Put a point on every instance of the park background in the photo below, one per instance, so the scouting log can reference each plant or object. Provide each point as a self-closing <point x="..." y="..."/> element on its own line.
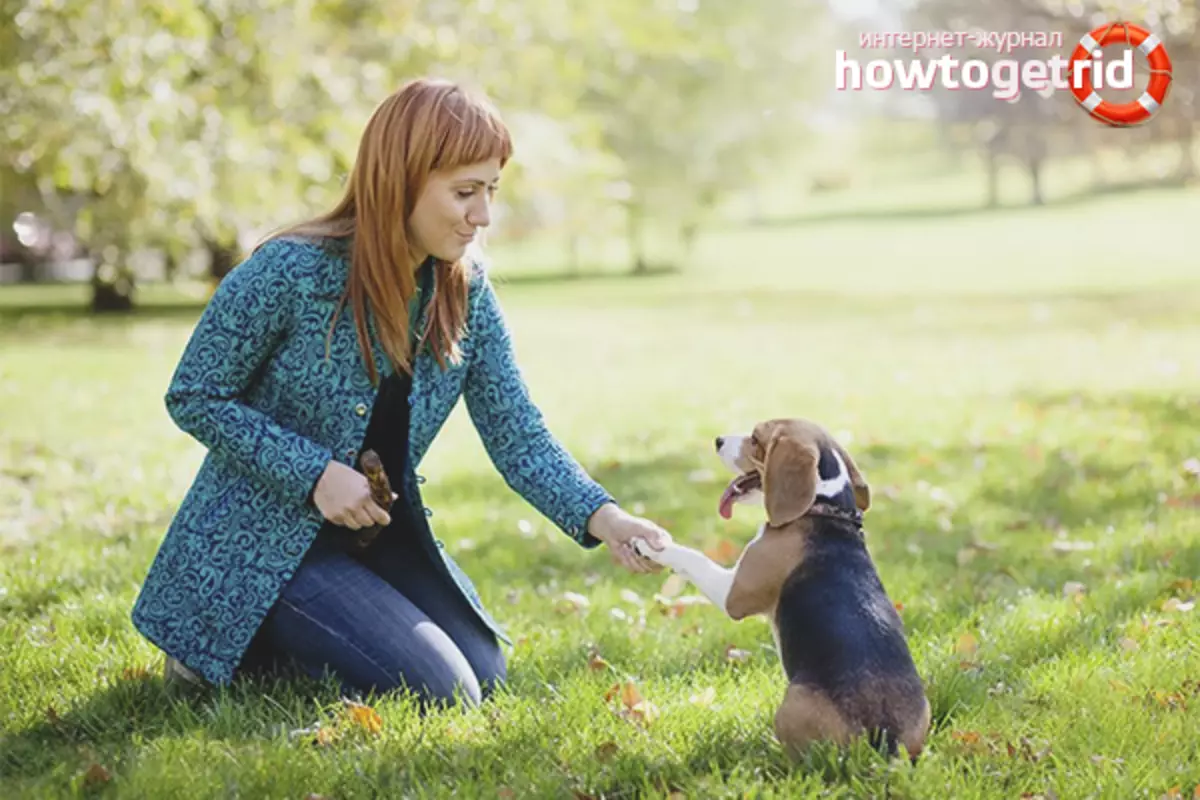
<point x="994" y="305"/>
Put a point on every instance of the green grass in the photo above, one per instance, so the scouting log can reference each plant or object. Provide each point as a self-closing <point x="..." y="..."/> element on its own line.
<point x="1021" y="389"/>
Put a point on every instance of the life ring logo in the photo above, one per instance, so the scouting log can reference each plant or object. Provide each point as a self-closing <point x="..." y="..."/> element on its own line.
<point x="1123" y="114"/>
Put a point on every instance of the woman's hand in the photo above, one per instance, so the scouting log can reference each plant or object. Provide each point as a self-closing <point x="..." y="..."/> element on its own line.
<point x="617" y="529"/>
<point x="343" y="496"/>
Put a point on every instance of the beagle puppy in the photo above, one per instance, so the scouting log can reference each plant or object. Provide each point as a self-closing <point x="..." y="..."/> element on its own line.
<point x="841" y="643"/>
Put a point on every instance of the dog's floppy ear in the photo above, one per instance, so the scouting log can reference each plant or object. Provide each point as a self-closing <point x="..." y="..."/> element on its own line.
<point x="862" y="492"/>
<point x="789" y="478"/>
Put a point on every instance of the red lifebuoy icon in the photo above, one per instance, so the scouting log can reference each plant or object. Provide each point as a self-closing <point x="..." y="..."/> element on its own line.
<point x="1140" y="110"/>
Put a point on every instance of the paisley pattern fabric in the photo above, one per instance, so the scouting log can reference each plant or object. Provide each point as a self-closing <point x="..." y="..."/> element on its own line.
<point x="255" y="387"/>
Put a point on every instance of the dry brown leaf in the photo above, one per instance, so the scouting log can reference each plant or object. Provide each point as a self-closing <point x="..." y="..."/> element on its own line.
<point x="597" y="663"/>
<point x="723" y="552"/>
<point x="96" y="775"/>
<point x="606" y="751"/>
<point x="1184" y="502"/>
<point x="364" y="717"/>
<point x="629" y="694"/>
<point x="135" y="673"/>
<point x="644" y="712"/>
<point x="967" y="645"/>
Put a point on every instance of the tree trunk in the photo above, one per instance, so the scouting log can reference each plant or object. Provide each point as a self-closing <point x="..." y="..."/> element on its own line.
<point x="993" y="177"/>
<point x="222" y="257"/>
<point x="1187" y="158"/>
<point x="112" y="285"/>
<point x="573" y="253"/>
<point x="634" y="231"/>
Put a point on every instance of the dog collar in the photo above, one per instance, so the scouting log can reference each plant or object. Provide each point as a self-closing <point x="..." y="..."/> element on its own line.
<point x="853" y="516"/>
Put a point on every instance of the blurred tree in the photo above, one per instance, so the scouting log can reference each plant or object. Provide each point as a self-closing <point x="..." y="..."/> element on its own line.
<point x="711" y="114"/>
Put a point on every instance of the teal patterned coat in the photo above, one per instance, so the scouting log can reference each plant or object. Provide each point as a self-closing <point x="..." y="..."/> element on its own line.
<point x="254" y="386"/>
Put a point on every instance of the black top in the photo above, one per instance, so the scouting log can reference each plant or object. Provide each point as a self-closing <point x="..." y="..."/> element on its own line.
<point x="387" y="435"/>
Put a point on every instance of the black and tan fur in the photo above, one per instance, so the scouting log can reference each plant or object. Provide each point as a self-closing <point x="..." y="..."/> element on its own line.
<point x="808" y="572"/>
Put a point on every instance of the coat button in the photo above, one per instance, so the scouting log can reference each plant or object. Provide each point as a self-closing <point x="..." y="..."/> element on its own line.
<point x="420" y="479"/>
<point x="429" y="512"/>
<point x="361" y="409"/>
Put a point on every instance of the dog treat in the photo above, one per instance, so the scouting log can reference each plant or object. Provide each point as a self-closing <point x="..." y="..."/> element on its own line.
<point x="381" y="493"/>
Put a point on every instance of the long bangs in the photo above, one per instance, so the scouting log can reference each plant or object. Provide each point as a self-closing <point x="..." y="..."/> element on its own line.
<point x="470" y="131"/>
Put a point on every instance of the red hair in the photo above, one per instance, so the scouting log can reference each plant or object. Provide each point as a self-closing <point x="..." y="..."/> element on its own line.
<point x="428" y="125"/>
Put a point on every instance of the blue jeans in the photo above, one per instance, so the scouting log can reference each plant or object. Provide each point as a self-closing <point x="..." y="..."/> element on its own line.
<point x="382" y="620"/>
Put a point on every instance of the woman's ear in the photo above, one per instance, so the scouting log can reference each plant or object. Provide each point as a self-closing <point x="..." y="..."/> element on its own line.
<point x="789" y="478"/>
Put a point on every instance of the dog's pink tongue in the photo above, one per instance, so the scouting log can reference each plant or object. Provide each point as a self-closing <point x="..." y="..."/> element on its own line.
<point x="726" y="506"/>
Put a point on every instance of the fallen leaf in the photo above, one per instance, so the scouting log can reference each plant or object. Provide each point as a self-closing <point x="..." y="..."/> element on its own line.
<point x="704" y="699"/>
<point x="597" y="663"/>
<point x="364" y="717"/>
<point x="140" y="673"/>
<point x="644" y="712"/>
<point x="736" y="655"/>
<point x="606" y="751"/>
<point x="505" y="793"/>
<point x="967" y="645"/>
<point x="96" y="775"/>
<point x="723" y="552"/>
<point x="325" y="737"/>
<point x="1184" y="502"/>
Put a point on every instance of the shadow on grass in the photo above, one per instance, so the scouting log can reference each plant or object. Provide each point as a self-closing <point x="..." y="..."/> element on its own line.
<point x="133" y="708"/>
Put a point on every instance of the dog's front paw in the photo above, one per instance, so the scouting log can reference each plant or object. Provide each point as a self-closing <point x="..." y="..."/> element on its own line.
<point x="644" y="549"/>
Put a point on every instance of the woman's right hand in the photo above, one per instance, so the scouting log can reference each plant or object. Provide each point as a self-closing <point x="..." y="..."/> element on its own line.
<point x="343" y="496"/>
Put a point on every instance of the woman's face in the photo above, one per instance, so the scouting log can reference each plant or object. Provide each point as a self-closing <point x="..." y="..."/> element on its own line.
<point x="454" y="204"/>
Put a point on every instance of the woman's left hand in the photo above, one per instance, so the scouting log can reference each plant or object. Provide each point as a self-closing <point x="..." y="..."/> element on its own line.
<point x="617" y="528"/>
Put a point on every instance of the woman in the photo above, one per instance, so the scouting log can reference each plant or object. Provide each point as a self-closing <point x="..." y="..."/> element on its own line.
<point x="359" y="329"/>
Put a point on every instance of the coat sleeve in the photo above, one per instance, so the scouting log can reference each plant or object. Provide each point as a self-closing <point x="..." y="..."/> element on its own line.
<point x="533" y="463"/>
<point x="250" y="312"/>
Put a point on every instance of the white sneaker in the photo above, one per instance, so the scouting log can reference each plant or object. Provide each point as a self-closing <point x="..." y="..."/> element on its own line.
<point x="175" y="673"/>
